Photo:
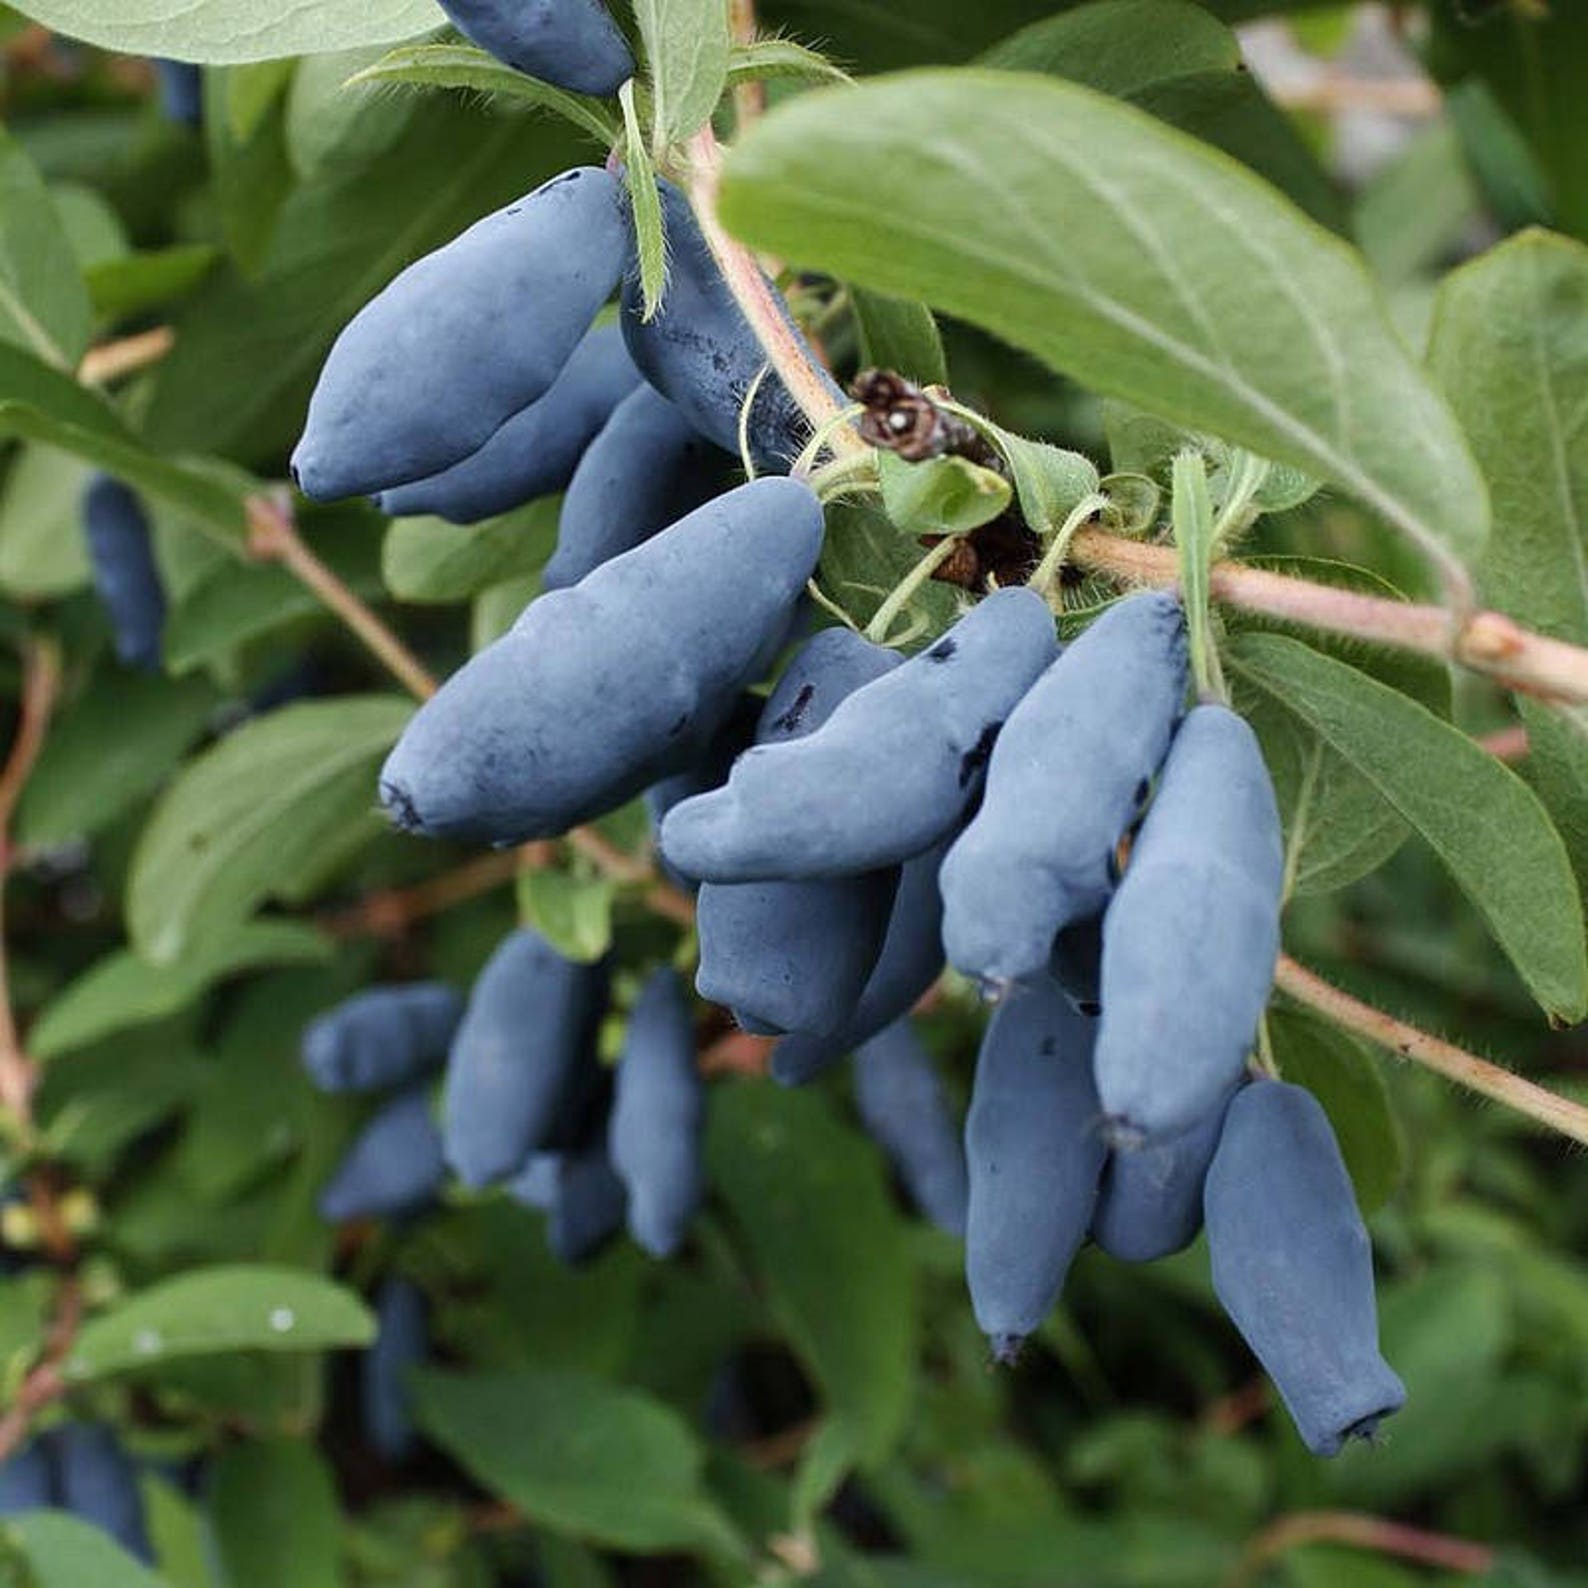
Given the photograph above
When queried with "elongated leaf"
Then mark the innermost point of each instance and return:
(275, 1517)
(767, 60)
(686, 47)
(1127, 255)
(123, 990)
(1510, 342)
(900, 335)
(425, 559)
(826, 1242)
(248, 813)
(575, 1454)
(41, 404)
(234, 30)
(645, 206)
(1484, 823)
(60, 1551)
(43, 302)
(232, 1307)
(42, 550)
(463, 66)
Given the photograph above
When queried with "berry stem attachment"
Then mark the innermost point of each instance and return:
(1433, 1053)
(881, 624)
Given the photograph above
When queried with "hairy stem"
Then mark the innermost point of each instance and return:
(274, 537)
(1363, 1532)
(757, 298)
(1433, 1053)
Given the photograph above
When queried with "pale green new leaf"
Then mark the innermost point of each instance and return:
(1482, 821)
(687, 45)
(251, 813)
(1126, 254)
(463, 66)
(223, 31)
(645, 206)
(237, 1307)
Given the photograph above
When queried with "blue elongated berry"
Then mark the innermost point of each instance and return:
(796, 956)
(25, 1480)
(126, 575)
(571, 43)
(386, 1036)
(1293, 1266)
(401, 1344)
(709, 771)
(590, 1204)
(430, 369)
(1068, 775)
(96, 1481)
(647, 469)
(901, 1101)
(600, 690)
(536, 452)
(1151, 1202)
(910, 962)
(1191, 935)
(535, 1184)
(181, 91)
(893, 770)
(658, 1113)
(523, 1059)
(700, 351)
(1035, 1160)
(393, 1167)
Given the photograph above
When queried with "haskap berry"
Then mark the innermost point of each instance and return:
(402, 1342)
(909, 963)
(895, 768)
(1293, 1266)
(394, 1166)
(700, 351)
(901, 1102)
(430, 369)
(536, 452)
(523, 1060)
(796, 956)
(1036, 1158)
(600, 690)
(1069, 773)
(658, 1113)
(126, 575)
(647, 469)
(1191, 937)
(574, 44)
(96, 1481)
(26, 1481)
(382, 1037)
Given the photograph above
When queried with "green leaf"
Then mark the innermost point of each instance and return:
(122, 990)
(573, 914)
(1050, 481)
(221, 31)
(1126, 255)
(941, 496)
(43, 302)
(1346, 1079)
(768, 60)
(113, 746)
(465, 67)
(1482, 821)
(41, 404)
(249, 347)
(248, 813)
(427, 559)
(137, 283)
(42, 550)
(275, 1516)
(575, 1455)
(686, 47)
(231, 1307)
(820, 1227)
(1510, 342)
(59, 1551)
(898, 334)
(865, 555)
(645, 206)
